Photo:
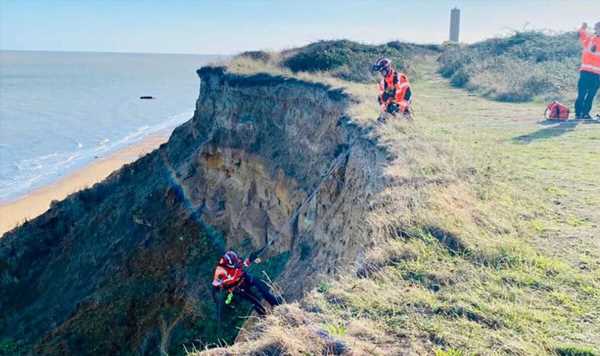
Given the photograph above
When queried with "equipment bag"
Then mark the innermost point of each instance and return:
(556, 111)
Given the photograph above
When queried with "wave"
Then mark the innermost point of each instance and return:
(29, 174)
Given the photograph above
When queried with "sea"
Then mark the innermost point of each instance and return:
(61, 110)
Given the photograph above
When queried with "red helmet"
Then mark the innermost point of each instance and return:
(230, 259)
(382, 65)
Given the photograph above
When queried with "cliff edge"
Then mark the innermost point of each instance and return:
(125, 266)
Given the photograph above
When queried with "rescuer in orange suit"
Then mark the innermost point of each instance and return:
(589, 72)
(230, 276)
(394, 89)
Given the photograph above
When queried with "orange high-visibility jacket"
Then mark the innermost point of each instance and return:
(227, 277)
(590, 58)
(394, 88)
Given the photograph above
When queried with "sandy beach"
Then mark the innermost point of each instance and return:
(38, 201)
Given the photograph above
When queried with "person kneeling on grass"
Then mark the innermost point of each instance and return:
(589, 73)
(394, 89)
(231, 276)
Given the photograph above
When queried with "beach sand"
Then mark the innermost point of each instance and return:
(38, 201)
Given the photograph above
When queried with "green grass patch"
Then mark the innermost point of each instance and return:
(449, 352)
(574, 351)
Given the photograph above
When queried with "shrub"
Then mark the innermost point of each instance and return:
(453, 60)
(460, 78)
(538, 85)
(257, 55)
(317, 61)
(350, 60)
(521, 67)
(516, 96)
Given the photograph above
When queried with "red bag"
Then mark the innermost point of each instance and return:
(557, 111)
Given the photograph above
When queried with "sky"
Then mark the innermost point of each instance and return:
(232, 26)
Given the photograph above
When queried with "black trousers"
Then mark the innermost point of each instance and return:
(244, 290)
(587, 88)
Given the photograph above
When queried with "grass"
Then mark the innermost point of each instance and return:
(522, 67)
(574, 351)
(485, 237)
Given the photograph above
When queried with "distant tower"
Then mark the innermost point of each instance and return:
(454, 25)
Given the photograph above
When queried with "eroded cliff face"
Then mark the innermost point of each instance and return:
(125, 267)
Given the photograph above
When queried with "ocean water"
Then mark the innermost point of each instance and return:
(61, 110)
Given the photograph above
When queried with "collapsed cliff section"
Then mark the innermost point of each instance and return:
(125, 266)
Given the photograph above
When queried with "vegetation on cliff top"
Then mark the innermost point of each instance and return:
(517, 68)
(346, 59)
(521, 67)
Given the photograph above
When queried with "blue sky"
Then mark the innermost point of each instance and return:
(223, 27)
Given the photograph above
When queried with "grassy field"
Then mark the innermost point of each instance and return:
(488, 237)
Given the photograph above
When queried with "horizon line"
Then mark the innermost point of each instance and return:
(116, 52)
(511, 31)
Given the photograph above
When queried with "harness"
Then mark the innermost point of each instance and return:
(395, 92)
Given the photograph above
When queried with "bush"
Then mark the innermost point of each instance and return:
(257, 55)
(460, 78)
(533, 45)
(318, 61)
(521, 67)
(538, 85)
(453, 60)
(350, 60)
(516, 96)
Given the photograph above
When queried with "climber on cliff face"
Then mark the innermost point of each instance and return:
(230, 276)
(394, 89)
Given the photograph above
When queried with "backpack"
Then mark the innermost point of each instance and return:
(556, 111)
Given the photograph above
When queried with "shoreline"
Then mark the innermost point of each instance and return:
(37, 201)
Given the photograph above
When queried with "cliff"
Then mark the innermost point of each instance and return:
(125, 266)
(461, 232)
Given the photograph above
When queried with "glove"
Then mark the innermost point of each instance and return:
(229, 298)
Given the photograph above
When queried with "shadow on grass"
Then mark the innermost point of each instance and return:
(552, 129)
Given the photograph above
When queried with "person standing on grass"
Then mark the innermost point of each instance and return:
(589, 73)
